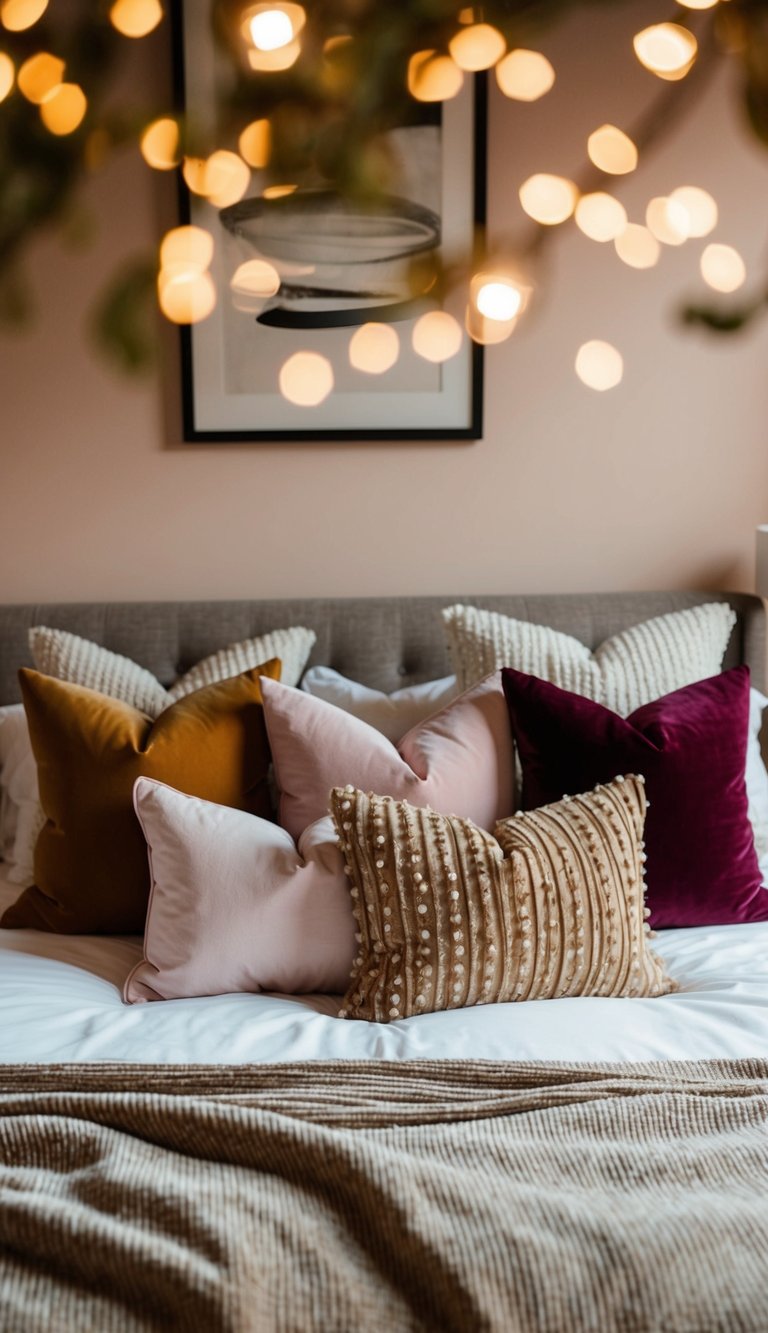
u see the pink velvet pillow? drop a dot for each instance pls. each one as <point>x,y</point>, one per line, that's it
<point>459,761</point>
<point>234,906</point>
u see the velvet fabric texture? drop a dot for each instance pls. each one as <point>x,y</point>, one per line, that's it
<point>690,746</point>
<point>91,873</point>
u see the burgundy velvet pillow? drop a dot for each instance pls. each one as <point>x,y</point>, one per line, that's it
<point>690,747</point>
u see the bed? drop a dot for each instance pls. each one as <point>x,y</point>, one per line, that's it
<point>250,1161</point>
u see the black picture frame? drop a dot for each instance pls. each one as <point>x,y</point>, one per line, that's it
<point>215,412</point>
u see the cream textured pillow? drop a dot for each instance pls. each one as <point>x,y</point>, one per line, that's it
<point>631,669</point>
<point>58,653</point>
<point>448,916</point>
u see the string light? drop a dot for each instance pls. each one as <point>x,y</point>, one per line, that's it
<point>256,277</point>
<point>668,220</point>
<point>666,49</point>
<point>433,78</point>
<point>222,178</point>
<point>723,268</point>
<point>186,247</point>
<point>477,47</point>
<point>63,109</point>
<point>437,336</point>
<point>186,296</point>
<point>271,29</point>
<point>17,15</point>
<point>525,75</point>
<point>271,32</point>
<point>612,150</point>
<point>135,18</point>
<point>160,144</point>
<point>548,199</point>
<point>39,75</point>
<point>600,216</point>
<point>498,299</point>
<point>255,143</point>
<point>7,75</point>
<point>306,379</point>
<point>374,348</point>
<point>496,302</point>
<point>599,365</point>
<point>698,4</point>
<point>700,207</point>
<point>637,247</point>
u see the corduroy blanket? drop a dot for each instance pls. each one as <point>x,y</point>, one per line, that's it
<point>342,1196</point>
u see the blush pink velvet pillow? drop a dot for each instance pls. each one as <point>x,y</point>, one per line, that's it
<point>235,906</point>
<point>460,761</point>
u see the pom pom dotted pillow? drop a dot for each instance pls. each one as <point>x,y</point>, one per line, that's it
<point>449,916</point>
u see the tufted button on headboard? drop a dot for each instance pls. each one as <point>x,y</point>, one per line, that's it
<point>384,642</point>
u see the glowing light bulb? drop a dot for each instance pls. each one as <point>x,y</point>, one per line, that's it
<point>499,299</point>
<point>39,75</point>
<point>433,78</point>
<point>306,379</point>
<point>637,247</point>
<point>723,268</point>
<point>667,220</point>
<point>186,295</point>
<point>525,75</point>
<point>477,47</point>
<point>186,247</point>
<point>666,49</point>
<point>160,144</point>
<point>64,108</point>
<point>700,207</point>
<point>16,15</point>
<point>548,199</point>
<point>374,348</point>
<point>600,216</point>
<point>599,365</point>
<point>271,32</point>
<point>612,150</point>
<point>271,29</point>
<point>437,336</point>
<point>255,143</point>
<point>7,75</point>
<point>698,4</point>
<point>135,18</point>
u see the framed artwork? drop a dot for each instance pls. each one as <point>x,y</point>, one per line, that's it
<point>340,268</point>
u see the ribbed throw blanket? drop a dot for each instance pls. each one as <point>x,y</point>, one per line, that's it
<point>427,1195</point>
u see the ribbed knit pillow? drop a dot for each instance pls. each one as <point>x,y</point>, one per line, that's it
<point>625,672</point>
<point>448,916</point>
<point>66,656</point>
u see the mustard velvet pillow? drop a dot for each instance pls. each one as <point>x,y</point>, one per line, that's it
<point>91,872</point>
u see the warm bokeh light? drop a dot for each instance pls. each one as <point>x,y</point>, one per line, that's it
<point>63,109</point>
<point>278,191</point>
<point>698,4</point>
<point>186,295</point>
<point>272,34</point>
<point>256,277</point>
<point>437,336</point>
<point>499,298</point>
<point>186,247</point>
<point>548,199</point>
<point>39,75</point>
<point>272,62</point>
<point>599,365</point>
<point>135,18</point>
<point>16,15</point>
<point>306,379</point>
<point>637,246</point>
<point>525,75</point>
<point>271,29</point>
<point>666,49</point>
<point>160,144</point>
<point>668,220</point>
<point>7,75</point>
<point>433,78</point>
<point>700,207</point>
<point>723,268</point>
<point>600,216</point>
<point>227,178</point>
<point>612,150</point>
<point>477,47</point>
<point>255,143</point>
<point>194,173</point>
<point>374,348</point>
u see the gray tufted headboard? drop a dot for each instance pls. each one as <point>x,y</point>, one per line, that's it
<point>385,642</point>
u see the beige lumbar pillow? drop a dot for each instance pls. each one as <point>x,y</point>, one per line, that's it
<point>449,916</point>
<point>78,661</point>
<point>631,669</point>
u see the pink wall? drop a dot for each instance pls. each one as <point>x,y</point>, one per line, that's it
<point>657,483</point>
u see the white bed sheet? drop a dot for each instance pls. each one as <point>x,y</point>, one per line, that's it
<point>60,1001</point>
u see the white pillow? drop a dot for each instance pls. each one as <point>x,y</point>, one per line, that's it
<point>81,662</point>
<point>631,669</point>
<point>392,714</point>
<point>21,815</point>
